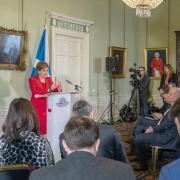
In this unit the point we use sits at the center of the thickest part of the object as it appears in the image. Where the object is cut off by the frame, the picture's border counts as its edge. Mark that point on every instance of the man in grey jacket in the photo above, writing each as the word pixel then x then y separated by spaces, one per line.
pixel 81 142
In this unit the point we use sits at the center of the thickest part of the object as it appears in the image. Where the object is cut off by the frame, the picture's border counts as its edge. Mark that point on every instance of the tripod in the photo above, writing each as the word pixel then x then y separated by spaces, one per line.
pixel 135 92
pixel 109 109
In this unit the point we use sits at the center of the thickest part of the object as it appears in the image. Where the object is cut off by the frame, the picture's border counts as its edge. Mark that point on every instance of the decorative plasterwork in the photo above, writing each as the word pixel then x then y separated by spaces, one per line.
pixel 71 23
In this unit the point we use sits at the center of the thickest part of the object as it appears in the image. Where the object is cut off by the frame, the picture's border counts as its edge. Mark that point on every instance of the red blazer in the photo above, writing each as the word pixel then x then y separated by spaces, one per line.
pixel 39 104
pixel 158 64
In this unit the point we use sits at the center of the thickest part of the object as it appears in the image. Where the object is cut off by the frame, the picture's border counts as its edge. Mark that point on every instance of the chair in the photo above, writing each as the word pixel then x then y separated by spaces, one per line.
pixel 15 172
pixel 155 154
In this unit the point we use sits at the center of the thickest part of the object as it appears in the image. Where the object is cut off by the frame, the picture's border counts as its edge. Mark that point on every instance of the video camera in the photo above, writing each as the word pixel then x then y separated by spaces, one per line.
pixel 134 77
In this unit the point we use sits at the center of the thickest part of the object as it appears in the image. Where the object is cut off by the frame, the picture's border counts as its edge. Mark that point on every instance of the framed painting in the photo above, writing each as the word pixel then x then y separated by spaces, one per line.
pixel 121 54
pixel 13 48
pixel 155 58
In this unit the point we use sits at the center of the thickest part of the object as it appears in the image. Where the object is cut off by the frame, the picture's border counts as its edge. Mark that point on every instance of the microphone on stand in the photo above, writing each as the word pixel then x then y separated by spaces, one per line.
pixel 69 82
pixel 76 87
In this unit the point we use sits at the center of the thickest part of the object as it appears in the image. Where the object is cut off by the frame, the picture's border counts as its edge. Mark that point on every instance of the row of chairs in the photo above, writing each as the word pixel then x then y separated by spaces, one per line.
pixel 166 154
pixel 15 172
pixel 22 171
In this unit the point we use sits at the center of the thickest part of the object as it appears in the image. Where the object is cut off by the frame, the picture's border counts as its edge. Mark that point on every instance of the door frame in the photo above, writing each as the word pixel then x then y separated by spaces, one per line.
pixel 85 54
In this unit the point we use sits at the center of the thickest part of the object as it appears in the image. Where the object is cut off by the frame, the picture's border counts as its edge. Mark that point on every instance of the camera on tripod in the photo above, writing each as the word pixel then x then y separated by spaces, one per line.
pixel 135 82
pixel 129 112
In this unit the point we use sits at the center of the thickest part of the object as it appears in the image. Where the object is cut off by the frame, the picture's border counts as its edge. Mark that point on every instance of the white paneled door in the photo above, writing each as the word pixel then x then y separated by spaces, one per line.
pixel 70 58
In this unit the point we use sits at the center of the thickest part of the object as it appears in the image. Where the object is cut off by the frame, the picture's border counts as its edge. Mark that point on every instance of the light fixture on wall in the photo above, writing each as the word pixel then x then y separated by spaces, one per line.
pixel 143 7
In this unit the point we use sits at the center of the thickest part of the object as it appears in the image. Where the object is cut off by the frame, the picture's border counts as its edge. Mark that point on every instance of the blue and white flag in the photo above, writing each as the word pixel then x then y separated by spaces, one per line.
pixel 43 51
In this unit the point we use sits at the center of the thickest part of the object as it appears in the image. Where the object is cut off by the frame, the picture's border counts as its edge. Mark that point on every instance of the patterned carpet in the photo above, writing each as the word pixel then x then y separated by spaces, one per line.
pixel 126 134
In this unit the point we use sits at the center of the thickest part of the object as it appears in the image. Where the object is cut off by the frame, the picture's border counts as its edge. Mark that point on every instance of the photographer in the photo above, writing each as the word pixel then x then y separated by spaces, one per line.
pixel 143 90
pixel 140 92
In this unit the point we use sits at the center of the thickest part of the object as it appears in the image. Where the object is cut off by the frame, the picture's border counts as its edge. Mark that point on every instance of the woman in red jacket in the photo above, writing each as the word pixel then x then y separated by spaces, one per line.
pixel 42 84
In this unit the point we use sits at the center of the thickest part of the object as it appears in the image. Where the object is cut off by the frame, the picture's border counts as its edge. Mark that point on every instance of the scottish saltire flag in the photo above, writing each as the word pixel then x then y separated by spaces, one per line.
pixel 43 51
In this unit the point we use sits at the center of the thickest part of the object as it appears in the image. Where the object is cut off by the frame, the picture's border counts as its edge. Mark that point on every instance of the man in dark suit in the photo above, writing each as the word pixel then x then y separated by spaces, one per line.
pixel 81 142
pixel 111 145
pixel 171 171
pixel 164 133
pixel 143 122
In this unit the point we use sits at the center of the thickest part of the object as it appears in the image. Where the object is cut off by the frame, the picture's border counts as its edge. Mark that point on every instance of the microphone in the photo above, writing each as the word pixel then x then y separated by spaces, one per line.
pixel 76 87
pixel 69 82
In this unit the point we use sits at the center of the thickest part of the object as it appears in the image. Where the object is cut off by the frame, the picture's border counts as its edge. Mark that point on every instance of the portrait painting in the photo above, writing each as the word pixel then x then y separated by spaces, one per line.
pixel 12 49
pixel 121 55
pixel 155 59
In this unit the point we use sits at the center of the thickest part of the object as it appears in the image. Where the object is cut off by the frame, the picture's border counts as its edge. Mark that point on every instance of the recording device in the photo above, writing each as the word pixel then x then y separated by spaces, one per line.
pixel 135 82
pixel 76 87
pixel 127 114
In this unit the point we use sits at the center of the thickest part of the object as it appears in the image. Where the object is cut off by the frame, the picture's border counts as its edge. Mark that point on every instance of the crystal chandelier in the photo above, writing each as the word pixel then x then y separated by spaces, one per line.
pixel 143 7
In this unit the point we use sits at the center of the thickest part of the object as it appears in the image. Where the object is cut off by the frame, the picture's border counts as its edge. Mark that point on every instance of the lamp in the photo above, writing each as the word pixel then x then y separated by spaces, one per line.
pixel 143 7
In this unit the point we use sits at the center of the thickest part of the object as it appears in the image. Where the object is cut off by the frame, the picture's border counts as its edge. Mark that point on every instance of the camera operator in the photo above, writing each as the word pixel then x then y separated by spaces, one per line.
pixel 144 81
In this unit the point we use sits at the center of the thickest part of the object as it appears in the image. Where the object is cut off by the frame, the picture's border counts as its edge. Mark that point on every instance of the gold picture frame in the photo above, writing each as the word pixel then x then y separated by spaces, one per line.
pixel 121 54
pixel 154 66
pixel 13 49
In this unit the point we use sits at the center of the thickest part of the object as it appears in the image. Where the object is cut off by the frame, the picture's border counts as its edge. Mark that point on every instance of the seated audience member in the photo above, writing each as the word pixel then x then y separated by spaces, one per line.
pixel 162 91
pixel 164 133
pixel 155 115
pixel 21 141
pixel 171 171
pixel 81 142
pixel 111 145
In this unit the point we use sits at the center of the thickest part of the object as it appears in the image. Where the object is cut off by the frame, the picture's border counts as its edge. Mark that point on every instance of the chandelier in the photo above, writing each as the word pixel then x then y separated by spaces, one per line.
pixel 143 7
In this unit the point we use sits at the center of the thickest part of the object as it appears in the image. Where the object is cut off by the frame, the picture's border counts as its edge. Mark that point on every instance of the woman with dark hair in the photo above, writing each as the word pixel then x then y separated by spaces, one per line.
pixel 21 141
pixel 42 84
pixel 168 76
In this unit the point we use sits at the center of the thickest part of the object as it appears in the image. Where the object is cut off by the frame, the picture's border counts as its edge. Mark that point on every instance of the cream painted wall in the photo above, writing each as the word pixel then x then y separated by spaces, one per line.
pixel 12 82
pixel 123 29
pixel 124 34
pixel 103 34
pixel 158 31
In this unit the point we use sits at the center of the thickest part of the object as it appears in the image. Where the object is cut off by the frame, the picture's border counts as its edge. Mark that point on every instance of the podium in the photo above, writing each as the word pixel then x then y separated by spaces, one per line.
pixel 58 114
